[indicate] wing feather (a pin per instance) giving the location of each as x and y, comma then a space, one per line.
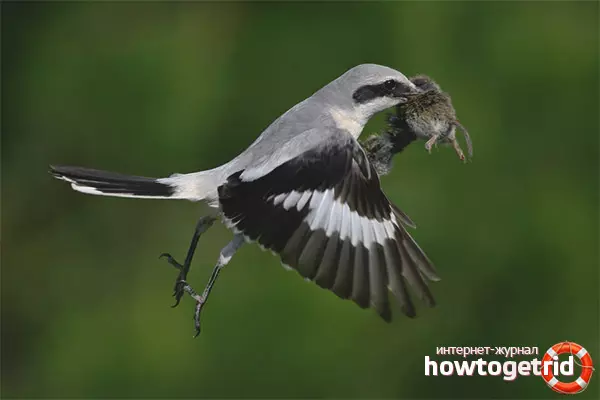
325, 214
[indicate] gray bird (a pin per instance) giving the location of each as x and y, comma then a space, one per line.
306, 191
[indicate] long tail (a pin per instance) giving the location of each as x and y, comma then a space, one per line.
92, 181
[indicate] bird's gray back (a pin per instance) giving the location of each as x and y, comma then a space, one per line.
306, 125
317, 120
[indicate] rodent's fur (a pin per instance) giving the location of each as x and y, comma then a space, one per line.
428, 116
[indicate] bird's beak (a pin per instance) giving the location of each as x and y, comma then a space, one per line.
404, 92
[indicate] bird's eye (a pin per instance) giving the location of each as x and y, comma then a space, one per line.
390, 85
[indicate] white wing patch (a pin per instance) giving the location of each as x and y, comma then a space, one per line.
317, 217
303, 200
366, 231
356, 233
333, 216
291, 200
335, 219
345, 228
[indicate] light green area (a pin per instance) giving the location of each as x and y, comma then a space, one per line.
156, 88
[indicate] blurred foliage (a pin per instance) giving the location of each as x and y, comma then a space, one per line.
154, 88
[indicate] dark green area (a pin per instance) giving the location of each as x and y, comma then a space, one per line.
156, 88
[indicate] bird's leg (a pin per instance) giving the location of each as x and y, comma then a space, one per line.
202, 226
429, 144
224, 257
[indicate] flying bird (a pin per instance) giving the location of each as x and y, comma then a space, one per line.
305, 190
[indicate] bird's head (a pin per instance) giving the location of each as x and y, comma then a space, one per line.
368, 89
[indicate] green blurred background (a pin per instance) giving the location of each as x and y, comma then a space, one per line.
156, 88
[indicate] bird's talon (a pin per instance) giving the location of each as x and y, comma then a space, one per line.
171, 261
178, 296
178, 291
166, 255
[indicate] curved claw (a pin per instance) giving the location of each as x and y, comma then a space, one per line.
178, 292
171, 260
176, 302
178, 296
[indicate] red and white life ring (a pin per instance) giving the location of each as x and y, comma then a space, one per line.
587, 367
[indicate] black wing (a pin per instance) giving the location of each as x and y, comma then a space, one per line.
324, 213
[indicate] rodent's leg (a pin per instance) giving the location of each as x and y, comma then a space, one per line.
458, 150
429, 144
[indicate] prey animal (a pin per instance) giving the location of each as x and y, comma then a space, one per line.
430, 116
305, 190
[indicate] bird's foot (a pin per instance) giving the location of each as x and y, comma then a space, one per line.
200, 300
179, 288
